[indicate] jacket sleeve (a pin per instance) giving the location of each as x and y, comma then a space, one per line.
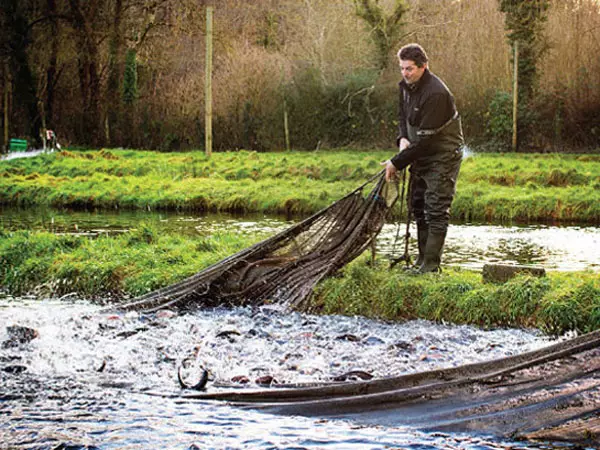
436, 111
402, 131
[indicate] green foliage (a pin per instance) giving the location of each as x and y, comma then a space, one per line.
325, 115
384, 29
146, 234
574, 304
142, 260
129, 264
130, 85
525, 22
555, 304
27, 258
440, 302
499, 123
490, 187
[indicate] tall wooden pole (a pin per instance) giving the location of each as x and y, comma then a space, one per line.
6, 104
286, 128
208, 82
515, 96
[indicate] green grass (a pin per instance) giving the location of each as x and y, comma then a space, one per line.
555, 304
137, 262
491, 187
498, 187
107, 266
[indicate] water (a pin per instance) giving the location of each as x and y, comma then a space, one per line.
561, 248
25, 154
91, 378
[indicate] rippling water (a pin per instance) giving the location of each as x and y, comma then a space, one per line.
92, 379
563, 248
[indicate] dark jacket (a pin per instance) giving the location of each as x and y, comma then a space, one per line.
429, 120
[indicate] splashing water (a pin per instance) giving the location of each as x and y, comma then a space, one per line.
88, 376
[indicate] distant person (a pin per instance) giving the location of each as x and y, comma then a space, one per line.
430, 140
51, 140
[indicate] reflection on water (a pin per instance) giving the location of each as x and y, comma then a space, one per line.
92, 379
566, 248
555, 248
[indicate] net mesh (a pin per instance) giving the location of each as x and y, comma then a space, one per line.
285, 268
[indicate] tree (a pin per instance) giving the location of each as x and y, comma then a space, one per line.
114, 74
83, 20
385, 28
52, 73
525, 21
14, 47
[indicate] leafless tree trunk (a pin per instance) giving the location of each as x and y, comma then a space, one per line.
115, 70
51, 71
89, 79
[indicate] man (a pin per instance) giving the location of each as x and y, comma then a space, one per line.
430, 140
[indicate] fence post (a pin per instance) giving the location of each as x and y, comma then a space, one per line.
208, 83
515, 96
6, 118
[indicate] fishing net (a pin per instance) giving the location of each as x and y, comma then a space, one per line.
285, 268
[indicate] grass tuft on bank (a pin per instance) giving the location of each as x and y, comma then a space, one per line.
109, 268
120, 266
498, 187
555, 304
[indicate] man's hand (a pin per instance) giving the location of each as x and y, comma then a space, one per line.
403, 144
390, 170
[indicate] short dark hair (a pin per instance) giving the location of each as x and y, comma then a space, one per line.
413, 52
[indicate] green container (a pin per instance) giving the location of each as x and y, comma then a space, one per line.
17, 145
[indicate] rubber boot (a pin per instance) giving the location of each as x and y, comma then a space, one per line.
433, 253
422, 232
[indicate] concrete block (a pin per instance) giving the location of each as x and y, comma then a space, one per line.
500, 273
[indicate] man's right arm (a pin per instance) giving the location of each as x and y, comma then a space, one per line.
402, 131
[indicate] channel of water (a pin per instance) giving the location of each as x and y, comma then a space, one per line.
563, 248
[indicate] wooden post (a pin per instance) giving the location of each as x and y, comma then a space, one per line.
43, 117
208, 83
6, 104
286, 128
515, 96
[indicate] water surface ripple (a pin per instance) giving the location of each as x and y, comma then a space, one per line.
91, 379
562, 248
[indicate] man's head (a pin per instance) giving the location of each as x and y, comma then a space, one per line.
413, 62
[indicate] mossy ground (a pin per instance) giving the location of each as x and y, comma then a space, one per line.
493, 187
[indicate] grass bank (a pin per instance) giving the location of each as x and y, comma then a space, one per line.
499, 187
116, 267
107, 266
555, 304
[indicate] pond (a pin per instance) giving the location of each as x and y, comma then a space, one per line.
563, 248
96, 380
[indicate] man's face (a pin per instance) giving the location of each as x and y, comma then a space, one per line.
410, 71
